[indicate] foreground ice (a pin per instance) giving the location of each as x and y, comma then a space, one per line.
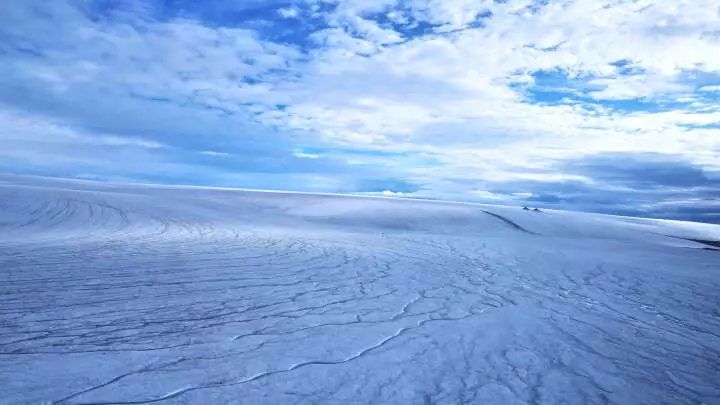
117, 294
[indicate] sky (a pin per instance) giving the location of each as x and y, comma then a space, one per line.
608, 106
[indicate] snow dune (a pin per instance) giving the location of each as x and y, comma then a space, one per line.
129, 294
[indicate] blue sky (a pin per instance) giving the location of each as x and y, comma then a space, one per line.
599, 105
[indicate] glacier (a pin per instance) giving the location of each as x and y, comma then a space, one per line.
140, 294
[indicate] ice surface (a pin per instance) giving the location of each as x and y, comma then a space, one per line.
118, 294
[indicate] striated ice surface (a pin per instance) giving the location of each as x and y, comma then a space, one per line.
121, 294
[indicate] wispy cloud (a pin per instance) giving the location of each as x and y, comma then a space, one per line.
451, 97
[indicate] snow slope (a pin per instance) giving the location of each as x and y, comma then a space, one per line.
128, 294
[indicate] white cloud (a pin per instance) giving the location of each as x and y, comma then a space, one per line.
710, 88
25, 128
486, 195
306, 155
214, 153
459, 93
34, 142
452, 14
288, 12
435, 92
641, 86
388, 193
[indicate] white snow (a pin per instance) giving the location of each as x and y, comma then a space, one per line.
129, 294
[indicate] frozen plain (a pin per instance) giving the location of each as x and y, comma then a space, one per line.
124, 294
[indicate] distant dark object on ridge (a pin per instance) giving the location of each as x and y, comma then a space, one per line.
526, 208
534, 209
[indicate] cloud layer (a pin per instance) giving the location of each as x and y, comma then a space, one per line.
606, 105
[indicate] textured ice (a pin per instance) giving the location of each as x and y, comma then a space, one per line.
119, 294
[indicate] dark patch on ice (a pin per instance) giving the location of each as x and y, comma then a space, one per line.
714, 244
509, 222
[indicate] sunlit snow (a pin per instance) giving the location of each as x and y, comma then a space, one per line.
122, 294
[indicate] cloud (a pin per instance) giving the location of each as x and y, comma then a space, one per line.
304, 155
634, 87
288, 12
642, 170
456, 99
214, 153
487, 196
387, 185
650, 185
388, 193
709, 88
